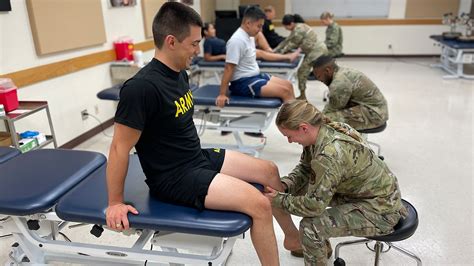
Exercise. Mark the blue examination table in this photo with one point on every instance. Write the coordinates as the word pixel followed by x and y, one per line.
pixel 242 114
pixel 455 56
pixel 7 153
pixel 284 69
pixel 44 190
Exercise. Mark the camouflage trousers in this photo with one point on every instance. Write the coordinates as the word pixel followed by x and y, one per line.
pixel 307 66
pixel 341 220
pixel 359 117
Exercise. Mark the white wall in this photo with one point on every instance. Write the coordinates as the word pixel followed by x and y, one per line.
pixel 374 40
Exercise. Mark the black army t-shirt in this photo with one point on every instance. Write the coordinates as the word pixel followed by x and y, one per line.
pixel 158 102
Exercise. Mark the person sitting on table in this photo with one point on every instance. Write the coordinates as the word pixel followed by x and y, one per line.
pixel 268 29
pixel 337 169
pixel 353 98
pixel 241 69
pixel 304 37
pixel 215 48
pixel 155 115
pixel 333 35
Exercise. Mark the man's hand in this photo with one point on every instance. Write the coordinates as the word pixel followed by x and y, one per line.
pixel 116 216
pixel 221 100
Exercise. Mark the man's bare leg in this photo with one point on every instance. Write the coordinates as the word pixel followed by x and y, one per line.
pixel 232 194
pixel 269 56
pixel 266 173
pixel 277 87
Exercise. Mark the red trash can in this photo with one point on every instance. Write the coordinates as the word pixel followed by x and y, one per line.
pixel 124 50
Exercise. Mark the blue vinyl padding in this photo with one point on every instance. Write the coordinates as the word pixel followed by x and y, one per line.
pixel 113 93
pixel 453 43
pixel 87 202
pixel 34 181
pixel 6 153
pixel 207 94
pixel 261 63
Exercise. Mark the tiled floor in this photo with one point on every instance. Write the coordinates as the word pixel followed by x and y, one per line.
pixel 428 144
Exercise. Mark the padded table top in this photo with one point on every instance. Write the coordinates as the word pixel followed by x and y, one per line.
pixel 34 181
pixel 453 43
pixel 207 94
pixel 261 63
pixel 113 93
pixel 6 153
pixel 87 202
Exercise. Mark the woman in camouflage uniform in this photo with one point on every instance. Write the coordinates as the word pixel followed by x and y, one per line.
pixel 337 169
pixel 333 35
pixel 302 36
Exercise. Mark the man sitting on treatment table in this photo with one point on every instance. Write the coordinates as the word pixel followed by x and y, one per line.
pixel 155 114
pixel 241 68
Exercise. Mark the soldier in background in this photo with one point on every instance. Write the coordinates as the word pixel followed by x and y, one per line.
pixel 353 98
pixel 268 28
pixel 304 37
pixel 333 35
pixel 337 169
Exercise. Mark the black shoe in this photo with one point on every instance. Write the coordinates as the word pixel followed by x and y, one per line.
pixel 225 133
pixel 255 135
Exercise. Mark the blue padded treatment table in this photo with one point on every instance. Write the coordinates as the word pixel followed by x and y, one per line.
pixel 454 43
pixel 207 94
pixel 455 56
pixel 261 63
pixel 113 93
pixel 6 153
pixel 87 202
pixel 34 181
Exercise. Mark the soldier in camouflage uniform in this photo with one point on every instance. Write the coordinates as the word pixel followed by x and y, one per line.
pixel 337 169
pixel 353 98
pixel 302 36
pixel 333 35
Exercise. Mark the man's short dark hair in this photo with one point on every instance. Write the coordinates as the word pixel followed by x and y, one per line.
pixel 254 13
pixel 175 19
pixel 323 61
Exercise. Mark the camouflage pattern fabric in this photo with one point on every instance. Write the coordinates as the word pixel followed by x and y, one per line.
pixel 343 173
pixel 354 99
pixel 304 37
pixel 334 39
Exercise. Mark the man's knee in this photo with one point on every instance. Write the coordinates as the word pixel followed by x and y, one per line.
pixel 261 207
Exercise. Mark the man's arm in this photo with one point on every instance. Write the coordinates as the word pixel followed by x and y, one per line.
pixel 123 141
pixel 211 58
pixel 222 99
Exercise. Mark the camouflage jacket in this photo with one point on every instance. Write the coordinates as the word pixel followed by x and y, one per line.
pixel 350 87
pixel 341 169
pixel 304 37
pixel 334 39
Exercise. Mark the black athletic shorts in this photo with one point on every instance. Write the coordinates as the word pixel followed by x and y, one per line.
pixel 189 186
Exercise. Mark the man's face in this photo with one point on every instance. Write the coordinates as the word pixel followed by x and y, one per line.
pixel 188 48
pixel 254 27
pixel 211 31
pixel 323 74
pixel 270 14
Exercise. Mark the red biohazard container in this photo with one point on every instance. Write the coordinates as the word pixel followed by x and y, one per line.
pixel 8 95
pixel 124 49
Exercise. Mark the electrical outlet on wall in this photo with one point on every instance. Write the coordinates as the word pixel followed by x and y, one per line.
pixel 84 114
pixel 96 109
pixel 390 46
